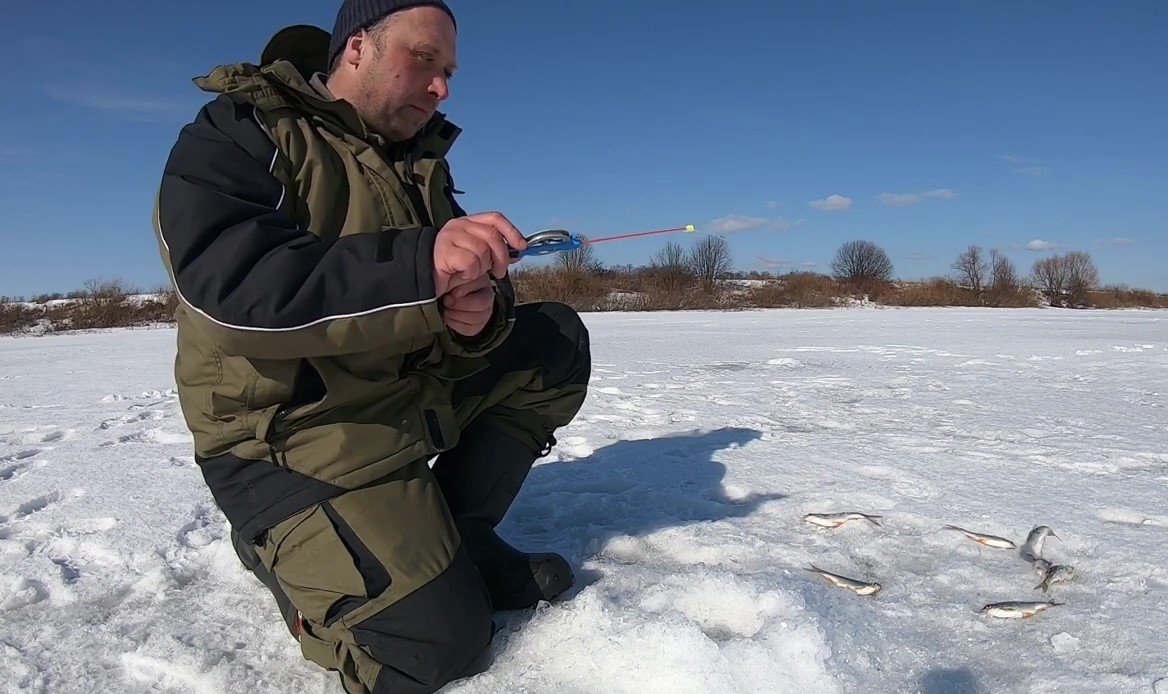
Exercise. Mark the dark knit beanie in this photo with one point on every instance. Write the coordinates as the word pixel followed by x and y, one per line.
pixel 362 14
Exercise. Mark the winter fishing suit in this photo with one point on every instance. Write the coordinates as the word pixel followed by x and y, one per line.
pixel 318 379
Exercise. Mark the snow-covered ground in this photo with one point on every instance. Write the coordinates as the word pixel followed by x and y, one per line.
pixel 677 495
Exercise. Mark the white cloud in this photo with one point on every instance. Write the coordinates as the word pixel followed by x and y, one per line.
pixel 899 200
pixel 907 199
pixel 736 222
pixel 810 265
pixel 1032 170
pixel 833 203
pixel 1118 241
pixel 1040 245
pixel 135 108
pixel 920 256
pixel 770 204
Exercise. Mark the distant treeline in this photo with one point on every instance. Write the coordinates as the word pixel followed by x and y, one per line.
pixel 677 279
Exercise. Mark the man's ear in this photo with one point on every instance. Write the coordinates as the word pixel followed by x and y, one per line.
pixel 356 48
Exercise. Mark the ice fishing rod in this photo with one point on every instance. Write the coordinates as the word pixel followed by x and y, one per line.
pixel 557 240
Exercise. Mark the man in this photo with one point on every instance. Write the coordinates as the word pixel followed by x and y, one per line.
pixel 342 321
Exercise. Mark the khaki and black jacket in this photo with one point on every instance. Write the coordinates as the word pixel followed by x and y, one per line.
pixel 312 354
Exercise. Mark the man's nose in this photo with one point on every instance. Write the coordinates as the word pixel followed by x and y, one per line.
pixel 440 88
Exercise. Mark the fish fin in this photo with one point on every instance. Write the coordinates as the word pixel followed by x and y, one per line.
pixel 813 569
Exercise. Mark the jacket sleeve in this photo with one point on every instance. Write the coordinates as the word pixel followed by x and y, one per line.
pixel 254 281
pixel 496 330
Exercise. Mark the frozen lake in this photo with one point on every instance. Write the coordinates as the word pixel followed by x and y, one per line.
pixel 678 496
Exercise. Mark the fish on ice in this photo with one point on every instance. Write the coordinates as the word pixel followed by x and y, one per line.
pixel 835 520
pixel 1032 549
pixel 1041 568
pixel 858 587
pixel 1060 573
pixel 1017 609
pixel 983 539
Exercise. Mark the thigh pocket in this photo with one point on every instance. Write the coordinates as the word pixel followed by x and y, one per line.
pixel 322 565
pixel 403 522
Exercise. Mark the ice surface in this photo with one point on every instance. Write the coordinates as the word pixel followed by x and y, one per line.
pixel 677 495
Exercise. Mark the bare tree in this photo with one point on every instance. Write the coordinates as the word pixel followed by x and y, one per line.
pixel 1050 274
pixel 580 260
pixel 971 270
pixel 669 267
pixel 1005 285
pixel 103 294
pixel 861 262
pixel 1081 275
pixel 710 259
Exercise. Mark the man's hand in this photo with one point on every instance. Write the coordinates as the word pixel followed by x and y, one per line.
pixel 468 307
pixel 468 248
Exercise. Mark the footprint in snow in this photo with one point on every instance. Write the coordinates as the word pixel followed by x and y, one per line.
pixel 9 473
pixel 201 531
pixel 43 502
pixel 18 593
pixel 22 455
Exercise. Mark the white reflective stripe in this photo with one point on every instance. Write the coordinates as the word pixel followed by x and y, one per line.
pixel 255 113
pixel 250 328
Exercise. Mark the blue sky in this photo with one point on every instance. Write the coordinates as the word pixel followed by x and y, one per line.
pixel 924 126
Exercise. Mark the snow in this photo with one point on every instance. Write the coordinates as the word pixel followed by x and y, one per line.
pixel 677 495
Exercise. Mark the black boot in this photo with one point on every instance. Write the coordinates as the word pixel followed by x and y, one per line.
pixel 480 478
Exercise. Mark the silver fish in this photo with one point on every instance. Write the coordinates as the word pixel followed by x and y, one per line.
pixel 987 540
pixel 1017 609
pixel 835 520
pixel 1041 568
pixel 1032 548
pixel 1057 574
pixel 858 587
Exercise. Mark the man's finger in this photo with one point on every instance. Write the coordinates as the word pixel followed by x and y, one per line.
pixel 480 251
pixel 500 251
pixel 503 226
pixel 473 286
pixel 479 285
pixel 461 263
pixel 472 325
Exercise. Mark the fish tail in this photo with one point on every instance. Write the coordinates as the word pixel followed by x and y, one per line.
pixel 874 520
pixel 953 527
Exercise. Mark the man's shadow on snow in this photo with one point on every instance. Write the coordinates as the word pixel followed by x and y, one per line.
pixel 949 681
pixel 629 488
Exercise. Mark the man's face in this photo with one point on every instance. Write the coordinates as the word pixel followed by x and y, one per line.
pixel 403 70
